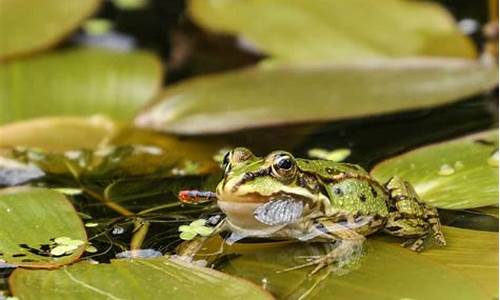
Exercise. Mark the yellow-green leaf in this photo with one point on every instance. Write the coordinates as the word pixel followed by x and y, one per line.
pixel 32 217
pixel 27 26
pixel 467 268
pixel 291 94
pixel 342 30
pixel 156 278
pixel 469 181
pixel 78 82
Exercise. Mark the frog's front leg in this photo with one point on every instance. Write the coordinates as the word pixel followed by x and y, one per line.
pixel 410 217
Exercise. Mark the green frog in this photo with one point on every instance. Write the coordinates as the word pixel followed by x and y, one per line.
pixel 283 197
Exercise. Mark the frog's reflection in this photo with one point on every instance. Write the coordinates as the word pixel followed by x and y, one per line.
pixel 281 267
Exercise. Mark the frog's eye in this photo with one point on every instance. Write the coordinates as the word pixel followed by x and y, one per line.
pixel 284 165
pixel 225 161
pixel 240 155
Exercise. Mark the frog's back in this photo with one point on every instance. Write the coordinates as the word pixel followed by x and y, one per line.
pixel 329 169
pixel 349 187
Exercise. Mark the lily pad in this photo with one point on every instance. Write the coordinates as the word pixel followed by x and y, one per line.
pixel 318 31
pixel 31 220
pixel 27 26
pixel 58 133
pixel 387 271
pixel 78 82
pixel 270 96
pixel 470 179
pixel 156 278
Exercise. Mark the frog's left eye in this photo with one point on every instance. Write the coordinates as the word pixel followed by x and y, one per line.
pixel 284 165
pixel 225 161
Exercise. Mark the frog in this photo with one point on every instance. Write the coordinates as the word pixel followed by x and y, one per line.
pixel 282 197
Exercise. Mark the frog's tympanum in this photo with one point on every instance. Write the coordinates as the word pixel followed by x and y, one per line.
pixel 279 196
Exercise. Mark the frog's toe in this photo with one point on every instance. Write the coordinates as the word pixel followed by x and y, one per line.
pixel 439 238
pixel 416 245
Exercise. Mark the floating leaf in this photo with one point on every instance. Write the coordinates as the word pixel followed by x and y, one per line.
pixel 252 97
pixel 471 182
pixel 33 217
pixel 336 155
pixel 57 134
pixel 318 31
pixel 27 26
pixel 387 271
pixel 156 278
pixel 98 146
pixel 78 82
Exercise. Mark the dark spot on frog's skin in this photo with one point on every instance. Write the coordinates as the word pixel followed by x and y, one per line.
pixel 484 142
pixel 18 255
pixel 374 191
pixel 301 181
pixel 1 254
pixel 28 260
pixel 393 228
pixel 341 220
pixel 362 197
pixel 398 218
pixel 392 208
pixel 338 191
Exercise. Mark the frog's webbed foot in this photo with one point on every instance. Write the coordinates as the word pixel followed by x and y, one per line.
pixel 345 252
pixel 410 217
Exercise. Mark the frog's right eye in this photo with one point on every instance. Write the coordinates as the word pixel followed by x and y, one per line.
pixel 284 166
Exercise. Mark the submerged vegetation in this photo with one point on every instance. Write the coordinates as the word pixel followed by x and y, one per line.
pixel 109 108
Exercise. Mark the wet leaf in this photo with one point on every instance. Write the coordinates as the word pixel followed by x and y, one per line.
pixel 27 26
pixel 157 278
pixel 387 271
pixel 314 31
pixel 98 146
pixel 252 97
pixel 58 133
pixel 473 182
pixel 31 218
pixel 78 82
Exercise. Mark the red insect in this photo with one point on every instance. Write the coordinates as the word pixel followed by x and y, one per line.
pixel 196 197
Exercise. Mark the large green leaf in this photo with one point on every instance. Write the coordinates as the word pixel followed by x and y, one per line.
pixel 27 26
pixel 78 82
pixel 158 278
pixel 32 217
pixel 313 31
pixel 268 96
pixel 467 268
pixel 454 174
